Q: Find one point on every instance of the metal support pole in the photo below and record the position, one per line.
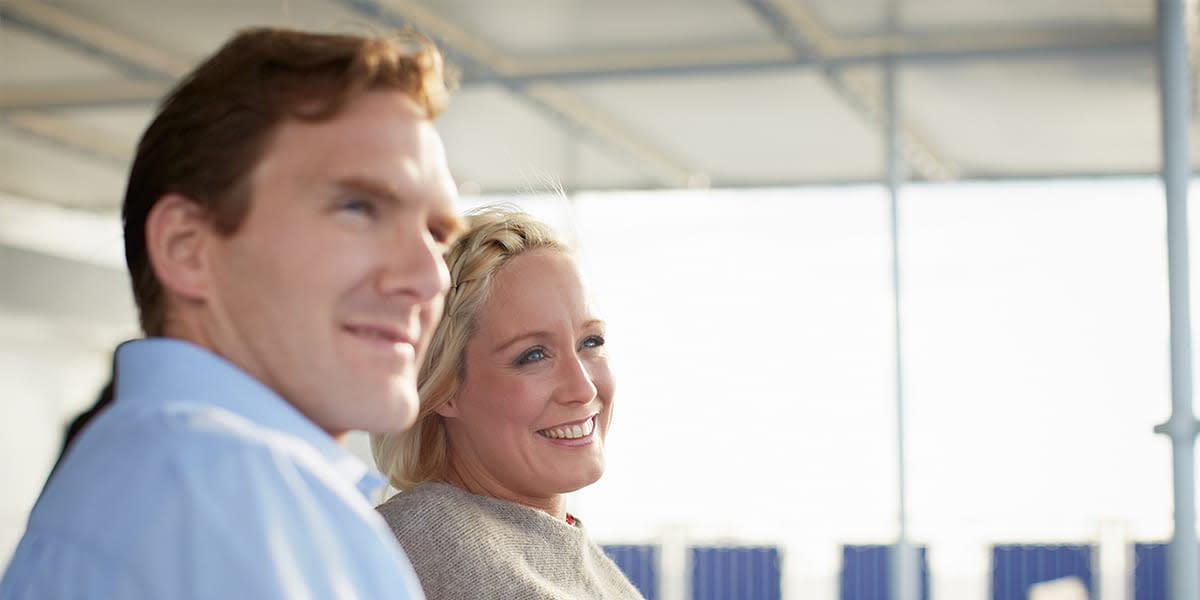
(904, 582)
(1183, 563)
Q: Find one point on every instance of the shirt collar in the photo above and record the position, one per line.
(159, 370)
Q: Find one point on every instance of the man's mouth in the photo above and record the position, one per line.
(381, 333)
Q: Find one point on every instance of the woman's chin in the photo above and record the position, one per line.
(579, 480)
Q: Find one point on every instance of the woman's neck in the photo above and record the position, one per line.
(482, 485)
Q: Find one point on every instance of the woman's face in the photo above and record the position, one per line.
(529, 421)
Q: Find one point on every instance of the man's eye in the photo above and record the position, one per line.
(532, 356)
(360, 206)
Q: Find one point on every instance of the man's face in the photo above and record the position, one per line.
(330, 289)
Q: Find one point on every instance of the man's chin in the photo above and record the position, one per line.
(402, 413)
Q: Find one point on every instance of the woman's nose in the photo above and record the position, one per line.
(576, 385)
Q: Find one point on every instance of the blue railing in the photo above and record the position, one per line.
(866, 572)
(1017, 567)
(640, 565)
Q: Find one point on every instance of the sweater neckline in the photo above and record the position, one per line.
(571, 520)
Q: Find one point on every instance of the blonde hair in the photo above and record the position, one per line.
(494, 237)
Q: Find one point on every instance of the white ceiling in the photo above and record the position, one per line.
(627, 94)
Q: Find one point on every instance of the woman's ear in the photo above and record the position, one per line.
(449, 408)
(177, 232)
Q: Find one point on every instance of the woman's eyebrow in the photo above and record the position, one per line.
(537, 335)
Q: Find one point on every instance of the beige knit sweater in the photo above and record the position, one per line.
(466, 547)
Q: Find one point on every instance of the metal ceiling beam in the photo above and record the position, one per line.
(127, 53)
(976, 43)
(727, 184)
(67, 133)
(133, 56)
(699, 61)
(529, 78)
(866, 51)
(658, 64)
(795, 25)
(82, 94)
(480, 61)
(600, 125)
(139, 59)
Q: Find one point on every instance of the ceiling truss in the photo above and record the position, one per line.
(800, 40)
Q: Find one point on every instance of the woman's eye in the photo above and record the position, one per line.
(593, 341)
(532, 356)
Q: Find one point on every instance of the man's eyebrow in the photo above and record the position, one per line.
(370, 186)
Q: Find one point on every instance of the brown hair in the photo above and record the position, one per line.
(213, 127)
(495, 236)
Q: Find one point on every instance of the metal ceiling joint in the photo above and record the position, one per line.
(796, 26)
(481, 61)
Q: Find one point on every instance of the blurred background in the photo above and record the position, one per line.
(747, 182)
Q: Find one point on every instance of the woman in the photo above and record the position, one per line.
(516, 398)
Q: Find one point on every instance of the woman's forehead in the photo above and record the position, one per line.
(536, 291)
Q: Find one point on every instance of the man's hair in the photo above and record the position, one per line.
(212, 129)
(494, 237)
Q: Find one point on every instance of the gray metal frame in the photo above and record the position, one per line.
(1183, 562)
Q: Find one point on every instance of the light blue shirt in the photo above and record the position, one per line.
(199, 482)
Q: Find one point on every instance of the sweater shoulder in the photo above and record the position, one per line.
(428, 508)
(457, 547)
(467, 546)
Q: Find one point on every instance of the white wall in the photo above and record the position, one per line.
(49, 371)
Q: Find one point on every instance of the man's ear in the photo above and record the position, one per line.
(178, 232)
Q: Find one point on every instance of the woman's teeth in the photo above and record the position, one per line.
(570, 432)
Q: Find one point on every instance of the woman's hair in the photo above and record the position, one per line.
(494, 237)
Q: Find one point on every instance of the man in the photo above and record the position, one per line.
(285, 219)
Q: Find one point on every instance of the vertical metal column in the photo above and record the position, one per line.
(904, 582)
(1183, 563)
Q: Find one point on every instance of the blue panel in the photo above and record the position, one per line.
(736, 573)
(640, 565)
(866, 572)
(1015, 568)
(1150, 572)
